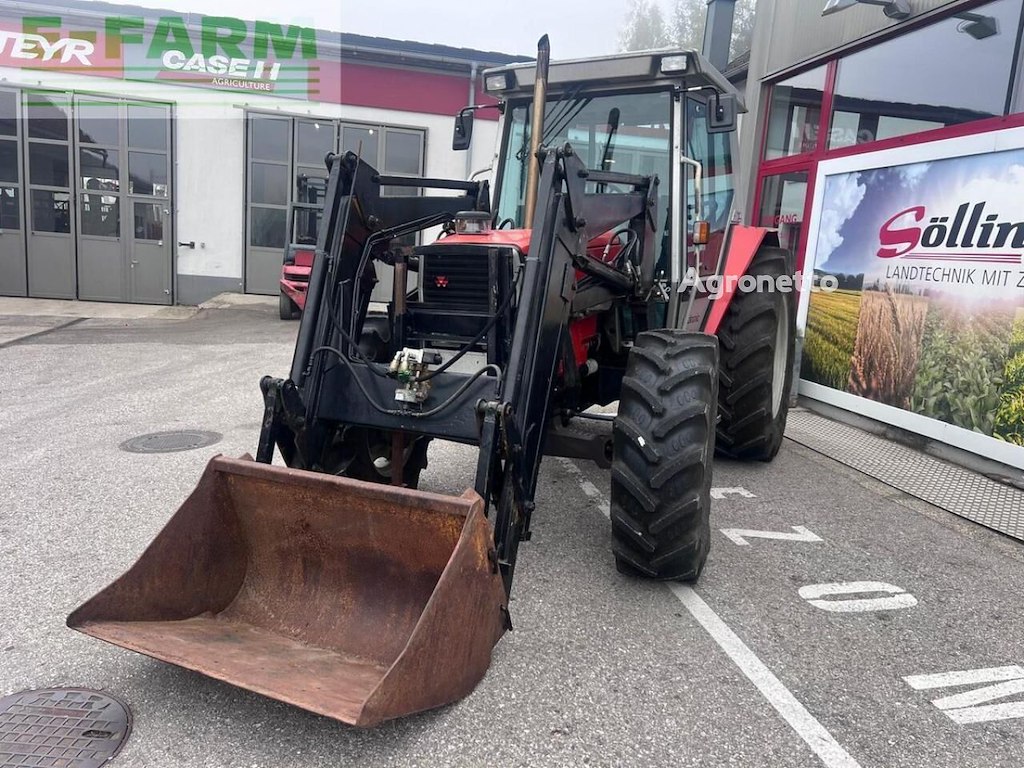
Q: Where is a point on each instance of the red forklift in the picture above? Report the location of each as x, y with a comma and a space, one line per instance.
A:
304, 217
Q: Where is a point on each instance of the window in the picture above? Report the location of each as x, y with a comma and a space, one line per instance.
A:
782, 206
642, 128
147, 174
713, 151
268, 138
149, 221
147, 127
10, 208
402, 152
362, 141
99, 169
97, 123
312, 142
47, 116
268, 227
952, 71
394, 151
269, 184
310, 189
270, 164
9, 161
795, 114
8, 113
48, 164
51, 211
101, 215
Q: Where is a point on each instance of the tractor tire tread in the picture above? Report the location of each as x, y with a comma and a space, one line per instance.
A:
747, 427
663, 442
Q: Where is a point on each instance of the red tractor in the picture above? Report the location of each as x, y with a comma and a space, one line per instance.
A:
606, 270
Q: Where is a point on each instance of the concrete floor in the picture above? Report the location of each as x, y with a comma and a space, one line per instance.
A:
601, 670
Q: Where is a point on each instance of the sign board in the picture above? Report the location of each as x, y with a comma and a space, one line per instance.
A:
926, 331
216, 52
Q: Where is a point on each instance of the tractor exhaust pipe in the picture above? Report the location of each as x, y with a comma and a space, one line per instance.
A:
540, 91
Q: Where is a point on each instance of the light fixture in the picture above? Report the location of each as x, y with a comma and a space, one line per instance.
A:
502, 81
976, 25
675, 63
894, 9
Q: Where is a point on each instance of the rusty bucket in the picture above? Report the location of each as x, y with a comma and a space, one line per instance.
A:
357, 601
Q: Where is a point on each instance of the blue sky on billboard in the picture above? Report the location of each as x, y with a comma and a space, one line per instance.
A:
857, 204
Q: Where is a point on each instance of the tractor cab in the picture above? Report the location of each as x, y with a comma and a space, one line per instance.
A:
667, 114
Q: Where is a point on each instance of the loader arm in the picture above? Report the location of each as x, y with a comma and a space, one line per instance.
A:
504, 408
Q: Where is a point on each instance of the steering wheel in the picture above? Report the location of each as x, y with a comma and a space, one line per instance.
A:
511, 223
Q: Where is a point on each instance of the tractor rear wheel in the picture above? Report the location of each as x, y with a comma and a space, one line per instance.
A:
664, 441
757, 339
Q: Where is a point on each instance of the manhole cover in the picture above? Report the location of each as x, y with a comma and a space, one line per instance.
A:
168, 442
61, 728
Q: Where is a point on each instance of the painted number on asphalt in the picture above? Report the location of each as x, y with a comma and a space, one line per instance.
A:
897, 596
740, 535
970, 706
721, 493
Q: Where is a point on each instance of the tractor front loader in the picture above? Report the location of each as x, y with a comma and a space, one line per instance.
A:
336, 585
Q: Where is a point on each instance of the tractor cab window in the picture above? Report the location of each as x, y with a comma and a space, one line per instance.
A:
713, 151
625, 133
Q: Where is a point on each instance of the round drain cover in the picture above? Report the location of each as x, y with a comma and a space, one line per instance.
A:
168, 442
61, 728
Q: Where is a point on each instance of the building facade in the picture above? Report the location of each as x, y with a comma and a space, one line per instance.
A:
152, 157
889, 152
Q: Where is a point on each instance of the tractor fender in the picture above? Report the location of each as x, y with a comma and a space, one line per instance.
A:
741, 245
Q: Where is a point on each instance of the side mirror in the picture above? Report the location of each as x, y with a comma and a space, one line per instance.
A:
463, 134
722, 113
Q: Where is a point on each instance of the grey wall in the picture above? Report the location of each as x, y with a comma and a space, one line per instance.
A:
798, 32
195, 289
788, 33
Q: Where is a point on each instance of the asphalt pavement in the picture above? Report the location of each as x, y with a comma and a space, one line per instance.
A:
823, 632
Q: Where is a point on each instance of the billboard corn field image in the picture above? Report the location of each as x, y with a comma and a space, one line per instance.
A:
928, 319
1009, 418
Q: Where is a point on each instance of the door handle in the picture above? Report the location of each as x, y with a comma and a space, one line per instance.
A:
189, 244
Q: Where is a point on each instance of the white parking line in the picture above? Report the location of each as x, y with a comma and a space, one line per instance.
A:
806, 726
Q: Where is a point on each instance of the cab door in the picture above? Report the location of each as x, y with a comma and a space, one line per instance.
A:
714, 152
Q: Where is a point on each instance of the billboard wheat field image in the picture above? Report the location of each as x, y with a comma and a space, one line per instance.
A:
929, 316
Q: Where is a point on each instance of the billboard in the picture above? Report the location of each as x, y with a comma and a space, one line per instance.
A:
926, 330
215, 52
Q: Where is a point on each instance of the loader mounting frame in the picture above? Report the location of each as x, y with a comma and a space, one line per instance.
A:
507, 413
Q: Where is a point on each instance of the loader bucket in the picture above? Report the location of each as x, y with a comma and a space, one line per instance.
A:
357, 601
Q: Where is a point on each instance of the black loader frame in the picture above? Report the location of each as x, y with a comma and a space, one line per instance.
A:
505, 407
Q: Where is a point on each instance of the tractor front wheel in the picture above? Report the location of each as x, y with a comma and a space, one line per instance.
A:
757, 340
664, 440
